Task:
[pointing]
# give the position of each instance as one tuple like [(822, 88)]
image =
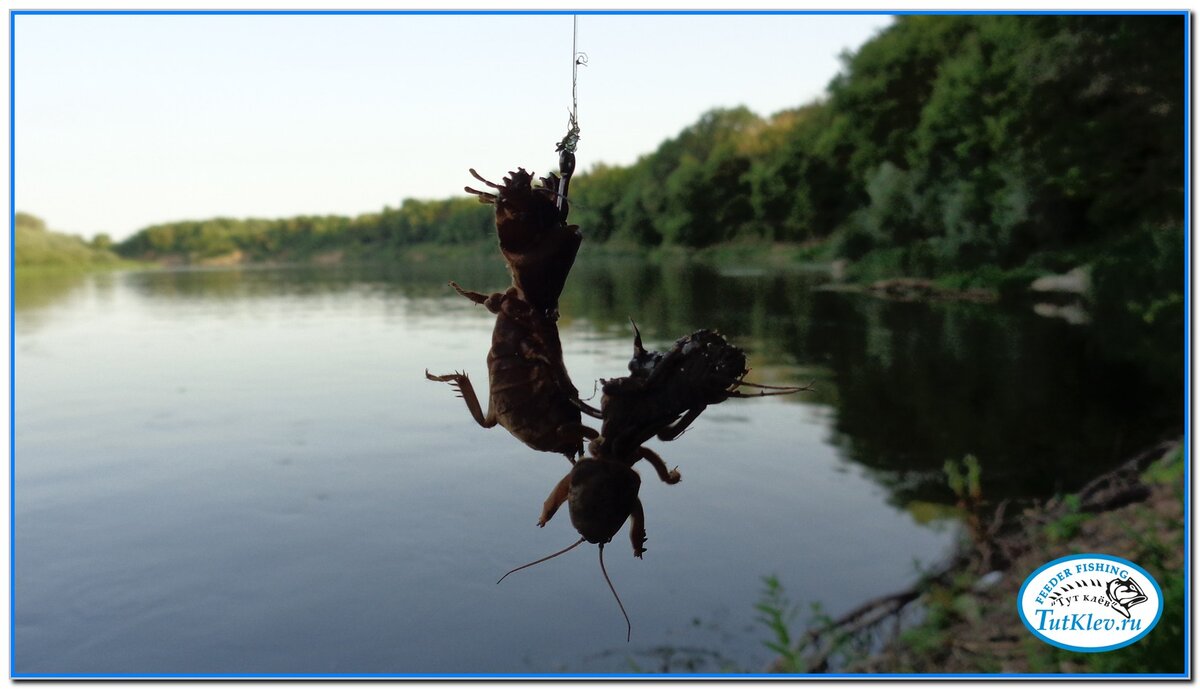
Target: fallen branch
[(865, 616)]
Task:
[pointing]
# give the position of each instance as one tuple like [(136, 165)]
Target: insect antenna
[(628, 624), (794, 388), (782, 389), (541, 560)]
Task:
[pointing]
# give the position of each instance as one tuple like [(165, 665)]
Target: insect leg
[(483, 196), (557, 497), (638, 349), (587, 408), (494, 302), (481, 179), (575, 433), (676, 429), (477, 297), (578, 430), (637, 528), (466, 391), (670, 477)]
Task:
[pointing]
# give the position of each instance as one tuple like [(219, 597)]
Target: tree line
[(451, 221), (946, 143), (38, 246), (963, 140)]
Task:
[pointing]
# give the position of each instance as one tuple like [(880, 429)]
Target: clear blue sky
[(125, 121)]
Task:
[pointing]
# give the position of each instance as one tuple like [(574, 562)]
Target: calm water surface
[(245, 471)]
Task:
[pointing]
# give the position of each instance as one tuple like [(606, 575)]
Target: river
[(244, 470)]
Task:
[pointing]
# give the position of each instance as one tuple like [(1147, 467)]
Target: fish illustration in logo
[(1124, 594)]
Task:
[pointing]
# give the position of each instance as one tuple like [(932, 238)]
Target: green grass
[(947, 606), (1065, 527), (1162, 650), (1167, 472), (777, 613)]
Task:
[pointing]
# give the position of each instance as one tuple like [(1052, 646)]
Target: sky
[(123, 121)]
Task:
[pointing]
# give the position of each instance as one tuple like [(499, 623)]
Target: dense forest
[(988, 147)]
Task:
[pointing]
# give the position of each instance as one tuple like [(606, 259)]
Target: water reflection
[(37, 292), (1045, 403), (245, 471)]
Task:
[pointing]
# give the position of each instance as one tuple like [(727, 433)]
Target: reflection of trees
[(37, 289), (672, 299), (401, 279), (1043, 404)]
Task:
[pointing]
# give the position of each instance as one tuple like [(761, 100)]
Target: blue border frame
[(12, 343), (1187, 345), (889, 13), (1187, 305)]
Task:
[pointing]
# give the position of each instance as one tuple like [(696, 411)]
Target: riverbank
[(1068, 294), (864, 276), (962, 618)]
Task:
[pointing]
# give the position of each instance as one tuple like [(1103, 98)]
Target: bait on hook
[(566, 147), (530, 392)]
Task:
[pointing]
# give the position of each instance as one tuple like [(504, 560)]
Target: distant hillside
[(448, 221), (38, 246)]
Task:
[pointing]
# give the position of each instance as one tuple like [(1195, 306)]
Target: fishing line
[(571, 140), (566, 147)]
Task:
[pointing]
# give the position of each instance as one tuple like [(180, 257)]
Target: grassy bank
[(1123, 276), (967, 630), (41, 249), (964, 619)]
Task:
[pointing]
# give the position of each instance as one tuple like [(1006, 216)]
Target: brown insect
[(530, 392), (662, 396), (535, 238)]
